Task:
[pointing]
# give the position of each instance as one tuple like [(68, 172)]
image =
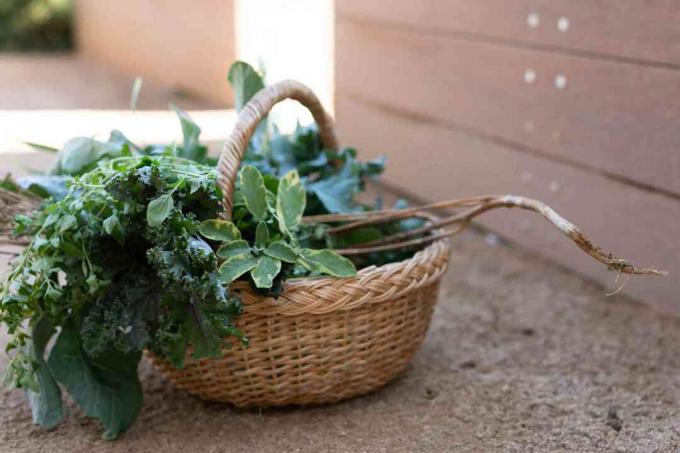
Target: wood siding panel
[(611, 117), (631, 29), (436, 163), (184, 46)]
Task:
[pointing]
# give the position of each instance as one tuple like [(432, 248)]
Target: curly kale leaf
[(126, 318)]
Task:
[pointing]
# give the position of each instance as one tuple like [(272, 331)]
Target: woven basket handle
[(248, 119)]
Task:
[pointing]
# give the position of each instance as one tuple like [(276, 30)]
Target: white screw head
[(563, 24), (533, 19), (529, 76), (560, 81), (526, 177), (554, 186)]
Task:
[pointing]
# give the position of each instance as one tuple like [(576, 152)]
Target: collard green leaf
[(46, 402), (245, 81), (81, 154), (290, 201), (108, 390), (266, 270), (328, 262), (159, 209), (44, 186), (219, 230), (236, 266), (337, 192), (254, 192), (233, 248), (281, 251), (261, 235), (191, 147)]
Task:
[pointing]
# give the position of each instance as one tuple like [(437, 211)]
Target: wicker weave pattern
[(324, 339), (323, 355)]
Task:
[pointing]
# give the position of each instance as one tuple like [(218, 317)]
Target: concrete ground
[(522, 356)]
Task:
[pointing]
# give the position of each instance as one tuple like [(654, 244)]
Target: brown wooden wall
[(575, 102), (175, 44)]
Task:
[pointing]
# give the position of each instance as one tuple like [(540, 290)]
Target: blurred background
[(574, 102)]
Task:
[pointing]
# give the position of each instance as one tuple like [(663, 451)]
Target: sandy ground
[(521, 356)]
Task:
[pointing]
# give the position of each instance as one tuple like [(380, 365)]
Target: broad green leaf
[(281, 251), (44, 186), (113, 228), (236, 266), (159, 209), (337, 192), (191, 147), (261, 235), (266, 270), (108, 389), (328, 262), (233, 248), (119, 140), (253, 191), (81, 154), (290, 201), (219, 230), (245, 81), (46, 402)]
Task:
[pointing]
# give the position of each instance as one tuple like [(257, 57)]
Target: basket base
[(310, 360)]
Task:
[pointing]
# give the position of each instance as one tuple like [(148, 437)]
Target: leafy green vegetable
[(282, 252), (80, 154), (246, 82), (236, 266), (46, 401), (327, 262), (261, 235), (115, 300), (233, 248), (219, 230), (191, 147), (108, 390), (290, 201), (266, 270), (254, 192), (127, 253), (159, 209)]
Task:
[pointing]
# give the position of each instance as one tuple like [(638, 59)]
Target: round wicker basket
[(325, 339)]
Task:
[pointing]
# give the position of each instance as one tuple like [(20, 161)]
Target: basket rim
[(372, 284)]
